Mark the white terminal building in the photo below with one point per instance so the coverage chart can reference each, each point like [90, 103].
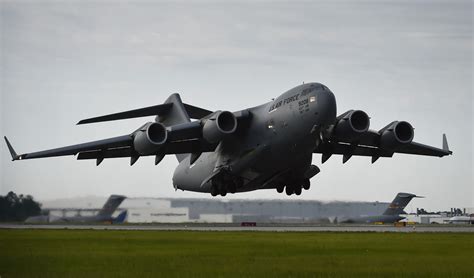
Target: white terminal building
[237, 211]
[193, 210]
[174, 210]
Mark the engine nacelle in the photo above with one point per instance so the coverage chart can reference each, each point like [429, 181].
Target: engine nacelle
[352, 125]
[397, 134]
[150, 138]
[219, 126]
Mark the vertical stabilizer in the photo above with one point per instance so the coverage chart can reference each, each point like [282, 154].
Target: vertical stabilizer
[111, 205]
[176, 115]
[121, 217]
[398, 204]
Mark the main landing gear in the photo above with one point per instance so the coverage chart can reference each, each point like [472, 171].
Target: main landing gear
[295, 187]
[225, 183]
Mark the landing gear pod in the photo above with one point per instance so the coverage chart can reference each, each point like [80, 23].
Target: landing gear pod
[219, 126]
[150, 138]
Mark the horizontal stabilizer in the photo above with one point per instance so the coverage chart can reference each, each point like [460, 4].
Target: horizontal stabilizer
[137, 113]
[196, 112]
[156, 110]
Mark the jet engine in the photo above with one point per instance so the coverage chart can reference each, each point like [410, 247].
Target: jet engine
[219, 126]
[150, 138]
[352, 125]
[398, 133]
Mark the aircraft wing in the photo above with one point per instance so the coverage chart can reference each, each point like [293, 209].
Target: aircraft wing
[369, 145]
[106, 144]
[183, 138]
[177, 147]
[173, 133]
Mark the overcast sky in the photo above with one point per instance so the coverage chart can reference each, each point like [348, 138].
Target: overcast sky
[407, 60]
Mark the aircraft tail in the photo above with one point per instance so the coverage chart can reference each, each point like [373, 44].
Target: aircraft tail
[172, 112]
[111, 205]
[398, 204]
[121, 217]
[176, 115]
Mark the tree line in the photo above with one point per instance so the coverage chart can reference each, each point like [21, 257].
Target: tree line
[18, 207]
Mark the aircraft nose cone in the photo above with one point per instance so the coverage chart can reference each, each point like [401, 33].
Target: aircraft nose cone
[326, 109]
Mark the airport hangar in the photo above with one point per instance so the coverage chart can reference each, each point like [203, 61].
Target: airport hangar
[182, 210]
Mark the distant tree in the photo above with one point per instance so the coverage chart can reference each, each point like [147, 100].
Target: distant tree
[18, 208]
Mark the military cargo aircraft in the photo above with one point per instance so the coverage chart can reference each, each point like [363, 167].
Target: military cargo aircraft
[390, 215]
[269, 146]
[104, 215]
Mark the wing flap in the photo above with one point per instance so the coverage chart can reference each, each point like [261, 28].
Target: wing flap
[347, 149]
[177, 147]
[110, 153]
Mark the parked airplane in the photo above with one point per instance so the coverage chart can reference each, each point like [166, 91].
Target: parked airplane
[462, 219]
[267, 146]
[104, 215]
[391, 214]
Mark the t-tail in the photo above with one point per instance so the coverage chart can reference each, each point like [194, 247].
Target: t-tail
[398, 204]
[110, 206]
[172, 112]
[176, 115]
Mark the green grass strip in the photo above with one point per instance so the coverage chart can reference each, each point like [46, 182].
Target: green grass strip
[86, 253]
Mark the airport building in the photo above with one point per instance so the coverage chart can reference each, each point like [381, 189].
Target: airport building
[194, 210]
[236, 211]
[177, 210]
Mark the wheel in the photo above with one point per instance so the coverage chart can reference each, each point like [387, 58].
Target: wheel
[232, 187]
[222, 189]
[298, 190]
[306, 184]
[214, 191]
[280, 188]
[289, 190]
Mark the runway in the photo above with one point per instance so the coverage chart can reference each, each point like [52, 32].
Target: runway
[263, 228]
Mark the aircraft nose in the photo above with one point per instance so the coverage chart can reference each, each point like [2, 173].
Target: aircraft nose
[326, 109]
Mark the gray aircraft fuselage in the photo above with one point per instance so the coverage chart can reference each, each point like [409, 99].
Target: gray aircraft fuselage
[279, 140]
[373, 219]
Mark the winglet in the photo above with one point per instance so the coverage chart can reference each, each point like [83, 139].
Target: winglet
[10, 148]
[445, 145]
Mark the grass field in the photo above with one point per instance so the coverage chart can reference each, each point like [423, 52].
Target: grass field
[78, 253]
